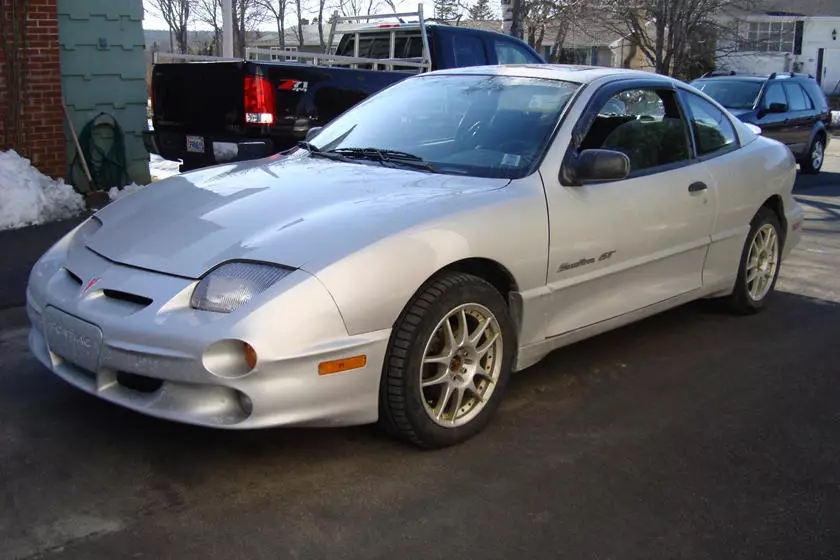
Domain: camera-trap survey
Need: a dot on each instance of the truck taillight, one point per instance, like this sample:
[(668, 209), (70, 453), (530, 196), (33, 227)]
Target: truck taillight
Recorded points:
[(259, 101)]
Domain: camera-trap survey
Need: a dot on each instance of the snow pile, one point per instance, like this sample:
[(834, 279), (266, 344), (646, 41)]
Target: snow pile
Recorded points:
[(115, 193), (160, 168), (28, 197)]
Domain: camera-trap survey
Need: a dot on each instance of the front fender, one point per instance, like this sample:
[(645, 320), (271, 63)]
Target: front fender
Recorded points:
[(372, 286)]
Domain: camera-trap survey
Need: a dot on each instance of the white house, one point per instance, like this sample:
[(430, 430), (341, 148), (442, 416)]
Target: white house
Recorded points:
[(792, 36)]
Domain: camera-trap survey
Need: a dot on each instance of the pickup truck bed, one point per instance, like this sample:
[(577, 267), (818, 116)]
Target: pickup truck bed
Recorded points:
[(207, 100), (211, 112)]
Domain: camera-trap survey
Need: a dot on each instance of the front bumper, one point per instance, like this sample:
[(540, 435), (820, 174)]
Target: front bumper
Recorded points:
[(152, 359)]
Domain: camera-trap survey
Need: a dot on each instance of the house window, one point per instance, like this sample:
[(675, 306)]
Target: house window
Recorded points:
[(769, 36), (280, 57)]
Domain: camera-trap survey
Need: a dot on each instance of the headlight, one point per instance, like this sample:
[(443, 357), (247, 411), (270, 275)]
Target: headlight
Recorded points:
[(227, 287)]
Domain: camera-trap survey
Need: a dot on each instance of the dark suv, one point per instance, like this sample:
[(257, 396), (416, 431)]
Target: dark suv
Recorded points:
[(790, 108)]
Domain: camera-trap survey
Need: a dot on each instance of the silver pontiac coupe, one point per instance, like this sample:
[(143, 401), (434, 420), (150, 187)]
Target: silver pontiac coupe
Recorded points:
[(401, 263)]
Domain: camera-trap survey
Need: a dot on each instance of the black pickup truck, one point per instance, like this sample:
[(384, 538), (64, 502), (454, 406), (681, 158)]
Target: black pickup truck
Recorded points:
[(211, 112)]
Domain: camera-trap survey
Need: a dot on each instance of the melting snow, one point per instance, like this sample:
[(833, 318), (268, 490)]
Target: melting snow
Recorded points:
[(115, 193), (28, 197), (160, 168)]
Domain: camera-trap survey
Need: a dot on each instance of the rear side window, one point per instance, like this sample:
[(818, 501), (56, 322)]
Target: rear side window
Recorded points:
[(511, 53), (815, 95), (774, 94), (409, 47), (799, 101), (469, 50), (713, 131)]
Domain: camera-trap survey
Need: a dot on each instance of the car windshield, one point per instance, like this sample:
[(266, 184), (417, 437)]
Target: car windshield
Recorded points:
[(732, 94), (483, 126)]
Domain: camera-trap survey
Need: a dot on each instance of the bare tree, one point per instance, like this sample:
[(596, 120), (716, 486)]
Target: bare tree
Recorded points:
[(209, 12), (299, 12), (322, 4), (176, 14), (667, 31), (278, 10), (480, 11), (538, 18), (513, 14), (358, 7), (248, 15)]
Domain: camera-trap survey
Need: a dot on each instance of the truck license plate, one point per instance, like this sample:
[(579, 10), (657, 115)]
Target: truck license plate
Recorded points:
[(195, 144)]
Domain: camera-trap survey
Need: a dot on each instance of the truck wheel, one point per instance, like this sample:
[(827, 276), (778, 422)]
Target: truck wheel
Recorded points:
[(448, 362)]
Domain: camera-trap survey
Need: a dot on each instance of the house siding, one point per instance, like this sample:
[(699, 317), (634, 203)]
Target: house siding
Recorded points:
[(103, 70), (816, 35)]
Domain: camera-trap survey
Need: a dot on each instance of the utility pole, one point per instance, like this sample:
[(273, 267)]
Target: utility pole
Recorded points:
[(227, 28)]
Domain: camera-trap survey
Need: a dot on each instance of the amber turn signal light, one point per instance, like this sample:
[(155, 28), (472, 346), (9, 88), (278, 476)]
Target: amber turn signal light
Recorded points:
[(344, 364), (250, 355)]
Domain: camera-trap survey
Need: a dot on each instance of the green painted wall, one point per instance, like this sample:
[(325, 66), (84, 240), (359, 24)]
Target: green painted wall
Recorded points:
[(103, 70)]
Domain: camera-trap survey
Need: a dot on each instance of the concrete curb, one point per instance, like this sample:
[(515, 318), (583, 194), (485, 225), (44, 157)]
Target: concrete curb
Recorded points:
[(19, 249)]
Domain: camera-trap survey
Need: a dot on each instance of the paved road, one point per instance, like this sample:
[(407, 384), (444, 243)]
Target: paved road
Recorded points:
[(690, 435)]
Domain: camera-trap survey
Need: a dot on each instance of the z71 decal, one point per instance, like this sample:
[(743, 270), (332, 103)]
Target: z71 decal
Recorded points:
[(293, 85), (583, 262)]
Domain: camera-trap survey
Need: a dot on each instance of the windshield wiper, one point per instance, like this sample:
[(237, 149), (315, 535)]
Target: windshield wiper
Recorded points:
[(386, 156), (311, 148), (315, 151)]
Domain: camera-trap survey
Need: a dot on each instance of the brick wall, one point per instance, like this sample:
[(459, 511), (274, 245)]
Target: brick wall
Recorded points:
[(41, 125)]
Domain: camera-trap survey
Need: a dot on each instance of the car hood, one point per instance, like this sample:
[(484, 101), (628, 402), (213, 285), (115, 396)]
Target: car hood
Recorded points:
[(297, 210)]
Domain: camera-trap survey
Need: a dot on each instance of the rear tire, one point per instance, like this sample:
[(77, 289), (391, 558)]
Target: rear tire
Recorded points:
[(760, 262), (813, 161), (448, 362)]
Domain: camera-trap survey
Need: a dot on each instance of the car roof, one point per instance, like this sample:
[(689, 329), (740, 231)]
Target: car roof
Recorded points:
[(737, 78), (756, 77), (569, 73)]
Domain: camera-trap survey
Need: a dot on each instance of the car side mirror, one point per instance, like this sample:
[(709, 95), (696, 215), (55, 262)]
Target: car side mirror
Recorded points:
[(313, 132), (597, 165), (777, 108)]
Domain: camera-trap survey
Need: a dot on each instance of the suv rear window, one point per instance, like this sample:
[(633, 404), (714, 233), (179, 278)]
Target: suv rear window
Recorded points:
[(732, 94)]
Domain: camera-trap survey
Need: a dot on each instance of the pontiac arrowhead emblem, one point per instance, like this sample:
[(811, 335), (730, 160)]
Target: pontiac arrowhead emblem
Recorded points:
[(90, 285)]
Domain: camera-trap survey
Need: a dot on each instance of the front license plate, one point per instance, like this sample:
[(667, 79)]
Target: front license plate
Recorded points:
[(74, 340), (195, 144)]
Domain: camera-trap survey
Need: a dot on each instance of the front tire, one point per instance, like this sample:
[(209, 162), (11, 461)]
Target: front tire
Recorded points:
[(759, 268), (448, 362), (813, 161)]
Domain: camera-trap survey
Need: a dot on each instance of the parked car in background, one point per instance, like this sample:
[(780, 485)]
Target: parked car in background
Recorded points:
[(213, 111), (424, 245), (790, 108)]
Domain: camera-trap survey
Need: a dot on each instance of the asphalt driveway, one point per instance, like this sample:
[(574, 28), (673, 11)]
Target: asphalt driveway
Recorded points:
[(693, 434)]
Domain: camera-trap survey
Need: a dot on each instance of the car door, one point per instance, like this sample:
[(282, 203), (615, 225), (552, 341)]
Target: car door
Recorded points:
[(802, 118), (774, 125), (716, 147), (619, 246)]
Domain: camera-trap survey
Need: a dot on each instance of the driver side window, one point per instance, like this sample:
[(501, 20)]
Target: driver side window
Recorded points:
[(774, 94), (644, 124)]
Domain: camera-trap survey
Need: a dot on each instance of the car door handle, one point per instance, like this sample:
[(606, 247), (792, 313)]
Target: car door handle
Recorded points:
[(697, 187)]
